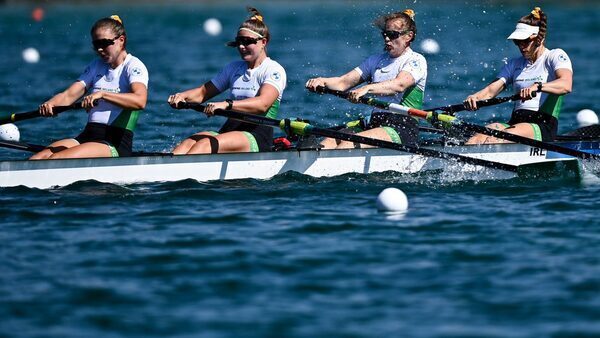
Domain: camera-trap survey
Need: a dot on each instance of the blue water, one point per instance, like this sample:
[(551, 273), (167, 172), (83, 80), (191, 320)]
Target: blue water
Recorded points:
[(295, 256)]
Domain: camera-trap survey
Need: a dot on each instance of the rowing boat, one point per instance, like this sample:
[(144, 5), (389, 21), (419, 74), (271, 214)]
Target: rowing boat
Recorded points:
[(265, 165)]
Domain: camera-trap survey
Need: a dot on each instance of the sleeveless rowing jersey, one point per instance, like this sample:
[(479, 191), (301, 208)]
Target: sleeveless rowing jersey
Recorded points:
[(245, 83), (99, 76), (520, 73), (382, 67)]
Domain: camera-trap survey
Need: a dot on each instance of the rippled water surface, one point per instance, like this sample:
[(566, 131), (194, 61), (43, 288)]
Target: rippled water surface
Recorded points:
[(295, 256)]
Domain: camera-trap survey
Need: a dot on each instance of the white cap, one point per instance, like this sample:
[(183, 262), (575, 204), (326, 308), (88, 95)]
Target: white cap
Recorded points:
[(523, 31)]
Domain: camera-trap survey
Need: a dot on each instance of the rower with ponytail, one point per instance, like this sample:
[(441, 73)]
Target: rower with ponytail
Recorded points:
[(540, 76)]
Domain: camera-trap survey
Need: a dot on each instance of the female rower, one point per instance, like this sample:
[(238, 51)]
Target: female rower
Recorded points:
[(538, 69), (118, 82), (256, 85), (397, 76)]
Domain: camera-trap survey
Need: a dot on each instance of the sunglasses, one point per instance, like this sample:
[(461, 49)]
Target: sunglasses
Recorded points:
[(393, 35), (523, 42), (103, 43), (242, 41)]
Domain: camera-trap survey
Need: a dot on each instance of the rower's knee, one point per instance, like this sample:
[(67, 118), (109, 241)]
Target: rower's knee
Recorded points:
[(207, 145)]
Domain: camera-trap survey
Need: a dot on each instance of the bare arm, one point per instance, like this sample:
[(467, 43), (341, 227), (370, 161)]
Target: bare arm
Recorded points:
[(195, 95), (563, 84), (490, 91), (259, 105), (396, 85), (65, 98), (343, 83), (135, 100)]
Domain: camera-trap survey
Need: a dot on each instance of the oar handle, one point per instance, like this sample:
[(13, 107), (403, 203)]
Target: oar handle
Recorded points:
[(36, 113)]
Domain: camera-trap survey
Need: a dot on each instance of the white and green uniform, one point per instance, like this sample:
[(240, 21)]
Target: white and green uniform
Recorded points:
[(382, 67), (108, 122), (245, 83), (521, 73)]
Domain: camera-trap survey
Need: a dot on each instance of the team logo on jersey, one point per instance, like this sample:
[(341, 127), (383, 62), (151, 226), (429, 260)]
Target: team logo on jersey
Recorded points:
[(562, 57), (136, 71), (415, 64), (276, 76)]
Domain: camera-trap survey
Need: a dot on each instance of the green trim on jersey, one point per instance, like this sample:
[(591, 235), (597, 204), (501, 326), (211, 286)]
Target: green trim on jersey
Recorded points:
[(552, 105), (273, 110), (413, 97), (127, 119)]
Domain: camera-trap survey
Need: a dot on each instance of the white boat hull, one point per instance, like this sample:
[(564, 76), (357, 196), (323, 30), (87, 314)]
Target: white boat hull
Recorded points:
[(202, 168)]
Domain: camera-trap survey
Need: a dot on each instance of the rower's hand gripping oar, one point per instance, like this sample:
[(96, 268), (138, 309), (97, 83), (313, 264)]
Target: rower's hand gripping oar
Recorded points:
[(36, 113), (304, 128), (452, 122)]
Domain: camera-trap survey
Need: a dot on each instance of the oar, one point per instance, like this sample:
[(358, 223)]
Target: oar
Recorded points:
[(34, 148), (450, 109), (9, 118), (455, 108), (303, 128), (454, 123)]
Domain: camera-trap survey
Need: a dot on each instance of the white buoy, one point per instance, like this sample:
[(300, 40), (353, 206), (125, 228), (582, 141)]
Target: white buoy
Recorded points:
[(31, 55), (392, 199), (213, 27), (9, 132), (586, 117), (430, 46)]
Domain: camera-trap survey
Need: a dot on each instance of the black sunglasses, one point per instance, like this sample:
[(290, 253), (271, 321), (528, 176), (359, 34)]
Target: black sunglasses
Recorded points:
[(393, 35), (523, 42), (103, 43), (243, 41)]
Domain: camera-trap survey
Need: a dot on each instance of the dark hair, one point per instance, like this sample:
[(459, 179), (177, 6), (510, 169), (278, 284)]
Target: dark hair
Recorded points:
[(537, 18), (114, 23), (256, 24), (408, 21)]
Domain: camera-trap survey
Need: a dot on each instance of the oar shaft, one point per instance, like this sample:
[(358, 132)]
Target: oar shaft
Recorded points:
[(455, 108), (396, 108), (15, 117), (34, 148)]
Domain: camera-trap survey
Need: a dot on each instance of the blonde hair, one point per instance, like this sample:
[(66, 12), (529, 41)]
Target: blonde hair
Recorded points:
[(537, 18), (407, 17), (255, 23)]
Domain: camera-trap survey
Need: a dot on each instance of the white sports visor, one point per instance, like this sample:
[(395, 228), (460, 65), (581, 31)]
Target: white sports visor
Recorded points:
[(523, 31)]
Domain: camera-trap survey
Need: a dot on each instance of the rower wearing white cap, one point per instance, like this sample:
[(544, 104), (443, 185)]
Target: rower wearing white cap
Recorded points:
[(538, 69)]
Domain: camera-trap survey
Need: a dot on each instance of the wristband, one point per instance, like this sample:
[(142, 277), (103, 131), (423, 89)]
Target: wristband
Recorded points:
[(539, 86), (229, 104)]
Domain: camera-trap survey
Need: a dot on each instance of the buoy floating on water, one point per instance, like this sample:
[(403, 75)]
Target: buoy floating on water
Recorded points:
[(31, 55), (213, 27), (392, 200), (37, 14), (586, 117), (9, 132), (430, 46)]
